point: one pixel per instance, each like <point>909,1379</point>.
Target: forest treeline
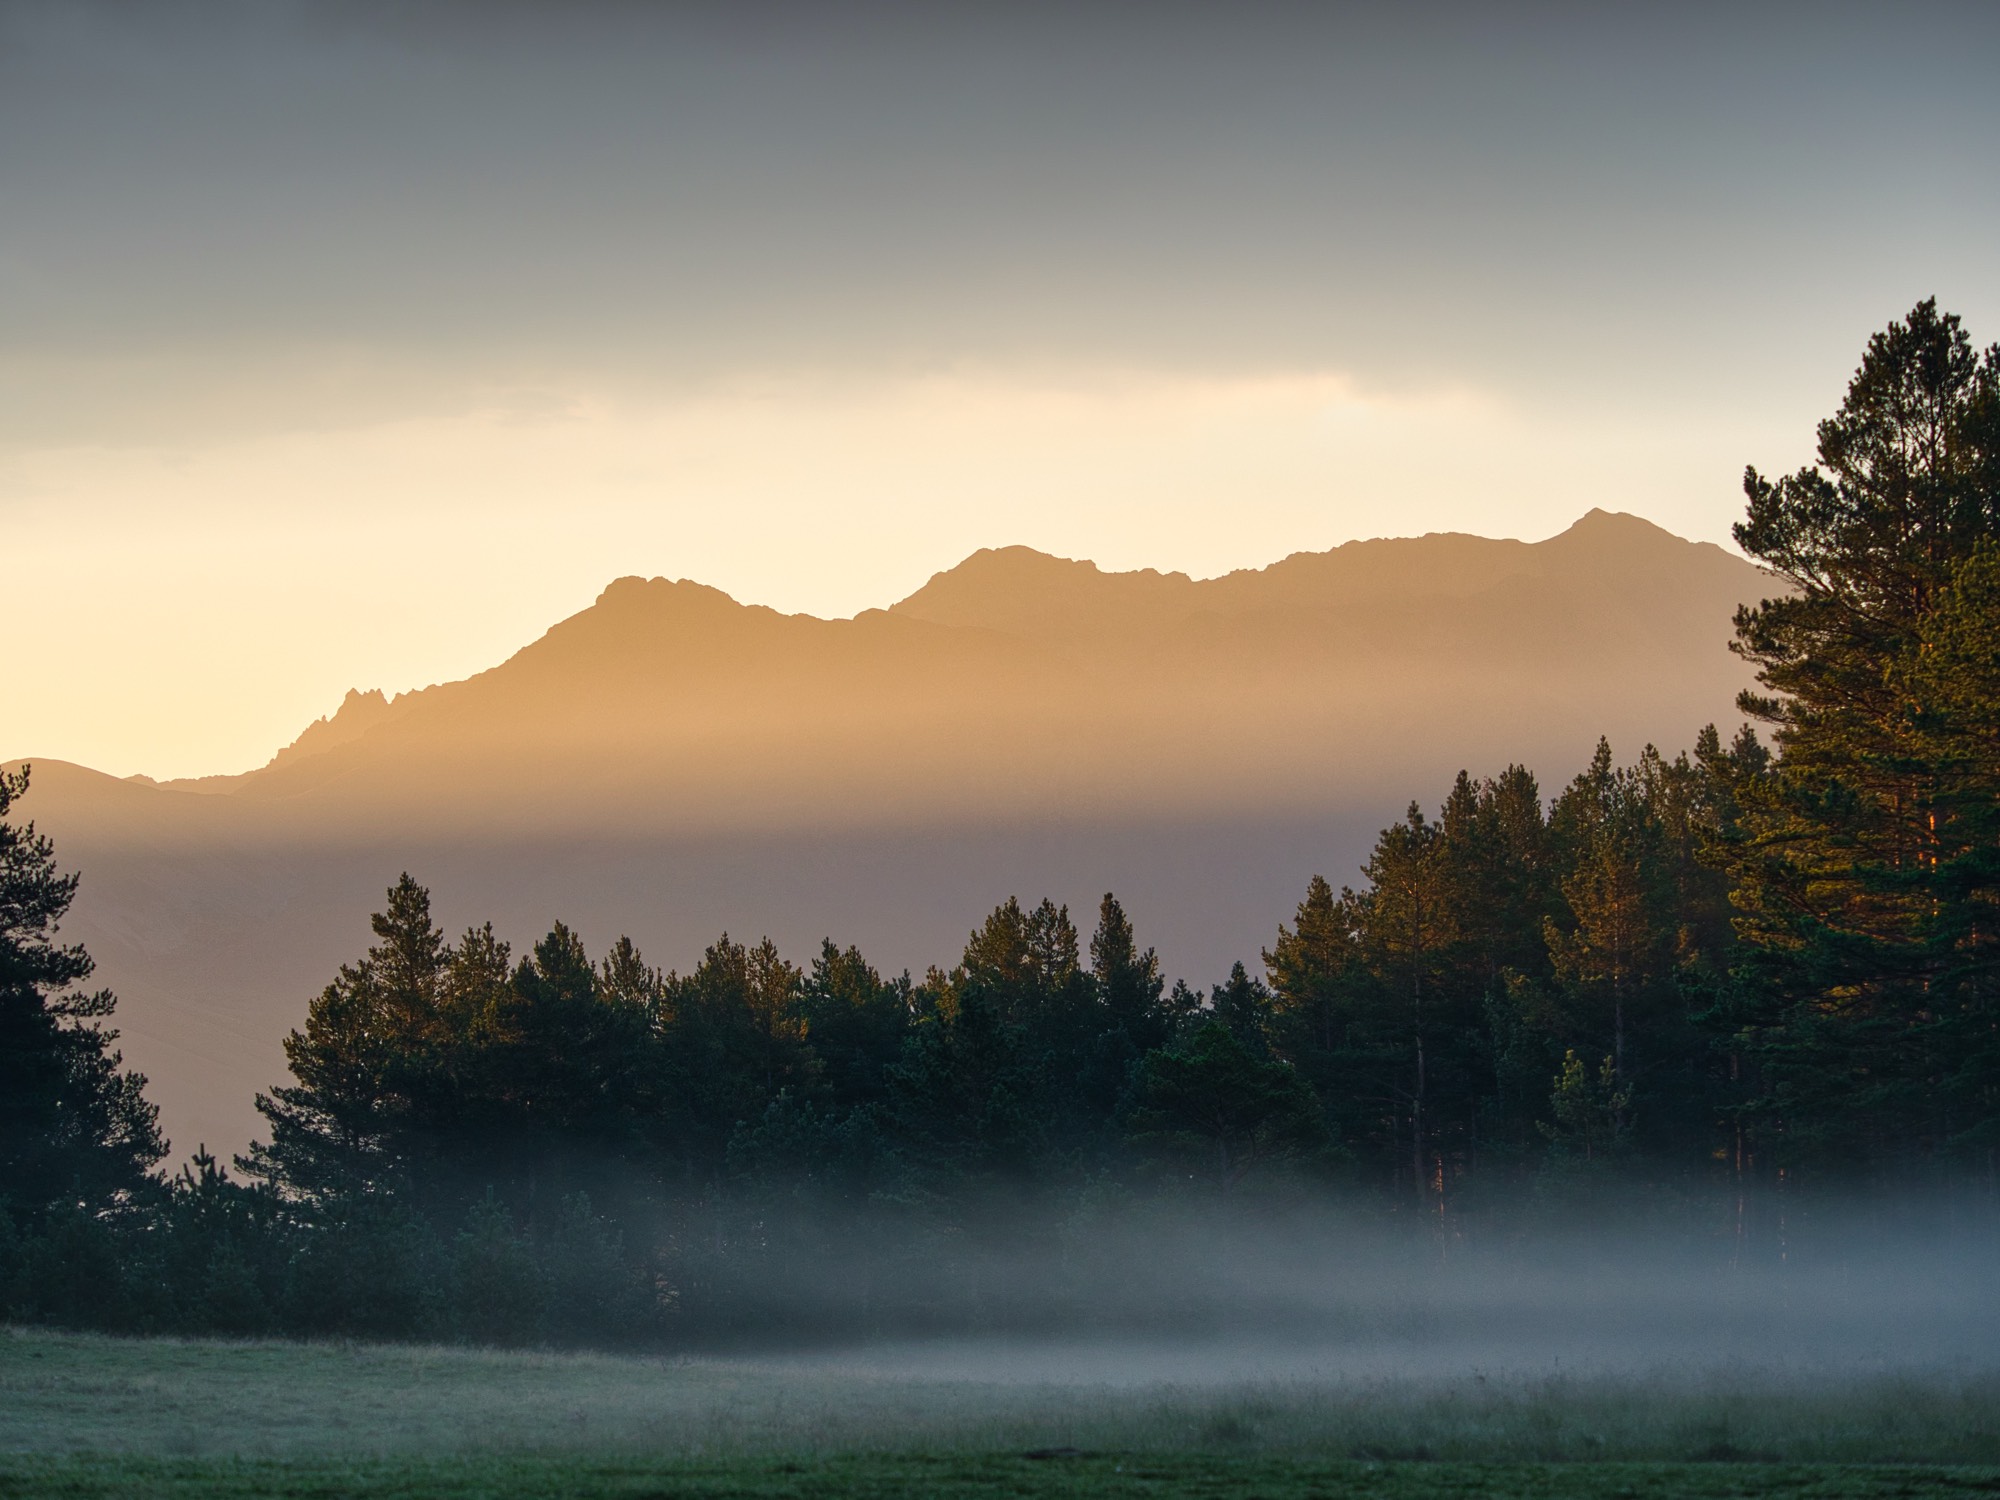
<point>1692,991</point>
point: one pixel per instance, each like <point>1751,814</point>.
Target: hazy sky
<point>352,346</point>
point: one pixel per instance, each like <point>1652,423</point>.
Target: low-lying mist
<point>1870,1337</point>
<point>1226,1294</point>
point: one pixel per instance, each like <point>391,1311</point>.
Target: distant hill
<point>669,762</point>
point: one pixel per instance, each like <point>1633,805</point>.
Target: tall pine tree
<point>75,1127</point>
<point>1858,996</point>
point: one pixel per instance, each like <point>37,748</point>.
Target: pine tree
<point>1241,1005</point>
<point>1409,933</point>
<point>75,1127</point>
<point>1953,687</point>
<point>576,1045</point>
<point>1591,1112</point>
<point>966,1098</point>
<point>1614,951</point>
<point>855,1022</point>
<point>1855,989</point>
<point>1335,1015</point>
<point>367,1072</point>
<point>1129,983</point>
<point>1313,966</point>
<point>730,1038</point>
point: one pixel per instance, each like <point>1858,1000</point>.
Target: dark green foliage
<point>366,1270</point>
<point>733,1038</point>
<point>1216,1102</point>
<point>1129,983</point>
<point>1242,1008</point>
<point>77,1137</point>
<point>592,1291</point>
<point>496,1287</point>
<point>73,1271</point>
<point>1863,858</point>
<point>366,1095</point>
<point>1433,1011</point>
<point>855,1022</point>
<point>220,1261</point>
<point>1592,1122</point>
<point>964,1095</point>
<point>76,1133</point>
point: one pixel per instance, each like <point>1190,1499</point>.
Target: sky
<point>352,346</point>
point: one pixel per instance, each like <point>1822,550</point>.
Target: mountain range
<point>671,763</point>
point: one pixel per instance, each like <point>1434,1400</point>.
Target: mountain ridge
<point>639,624</point>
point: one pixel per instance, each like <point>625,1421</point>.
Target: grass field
<point>969,1475</point>
<point>84,1416</point>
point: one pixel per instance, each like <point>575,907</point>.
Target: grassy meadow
<point>85,1415</point>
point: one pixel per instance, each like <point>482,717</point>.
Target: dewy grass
<point>960,1477</point>
<point>63,1394</point>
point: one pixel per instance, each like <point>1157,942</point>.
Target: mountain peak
<point>635,593</point>
<point>1599,521</point>
<point>358,713</point>
<point>1019,588</point>
<point>1615,539</point>
<point>1013,566</point>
